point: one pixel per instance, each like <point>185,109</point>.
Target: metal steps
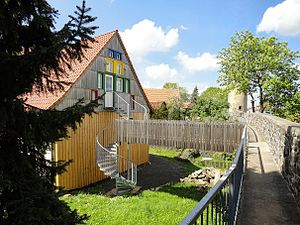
<point>107,160</point>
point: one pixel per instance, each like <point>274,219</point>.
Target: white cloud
<point>182,27</point>
<point>145,37</point>
<point>201,62</point>
<point>283,18</point>
<point>161,72</point>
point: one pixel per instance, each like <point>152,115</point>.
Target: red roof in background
<point>47,100</point>
<point>158,96</point>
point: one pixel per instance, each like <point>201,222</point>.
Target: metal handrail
<point>230,178</point>
<point>131,170</point>
<point>124,101</point>
<point>145,109</point>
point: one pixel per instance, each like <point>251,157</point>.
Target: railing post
<point>231,204</point>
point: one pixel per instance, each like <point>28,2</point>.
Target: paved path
<point>266,199</point>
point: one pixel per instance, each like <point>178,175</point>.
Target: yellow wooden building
<point>105,70</point>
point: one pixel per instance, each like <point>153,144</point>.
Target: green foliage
<point>161,113</point>
<point>32,53</point>
<point>212,104</point>
<point>292,108</point>
<point>260,65</point>
<point>175,110</point>
<point>171,85</point>
<point>184,95</point>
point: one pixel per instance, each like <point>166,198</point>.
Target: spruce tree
<point>194,95</point>
<point>32,52</point>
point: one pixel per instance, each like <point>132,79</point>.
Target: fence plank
<point>215,136</point>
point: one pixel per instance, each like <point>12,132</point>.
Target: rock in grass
<point>203,177</point>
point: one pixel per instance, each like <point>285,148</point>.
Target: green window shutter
<point>103,81</point>
<point>129,86</point>
<point>115,83</point>
<point>124,84</point>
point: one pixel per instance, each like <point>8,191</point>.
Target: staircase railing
<point>106,160</point>
<point>220,204</point>
<point>123,107</point>
<point>127,169</point>
<point>141,106</point>
<point>112,163</point>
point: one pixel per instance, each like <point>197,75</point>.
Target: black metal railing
<point>220,204</point>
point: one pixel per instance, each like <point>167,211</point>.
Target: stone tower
<point>237,101</point>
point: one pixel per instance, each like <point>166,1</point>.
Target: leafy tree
<point>260,65</point>
<point>194,95</point>
<point>292,108</point>
<point>175,110</point>
<point>161,112</point>
<point>215,93</point>
<point>212,104</point>
<point>32,58</point>
<point>184,95</point>
<point>171,85</point>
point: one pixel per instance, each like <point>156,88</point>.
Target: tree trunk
<point>252,103</point>
<point>261,100</point>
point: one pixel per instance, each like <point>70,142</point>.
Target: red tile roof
<point>157,96</point>
<point>48,100</point>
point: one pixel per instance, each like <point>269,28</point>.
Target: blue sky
<point>177,41</point>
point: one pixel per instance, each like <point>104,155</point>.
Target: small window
<point>119,84</point>
<point>119,69</point>
<point>118,56</point>
<point>127,86</point>
<point>99,80</point>
<point>110,53</point>
<point>132,103</point>
<point>94,94</point>
<point>109,66</point>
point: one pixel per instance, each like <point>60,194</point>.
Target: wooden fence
<point>214,136</point>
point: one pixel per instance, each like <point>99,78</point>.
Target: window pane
<point>99,81</point>
<point>119,84</point>
<point>109,67</point>
<point>119,69</point>
<point>108,83</point>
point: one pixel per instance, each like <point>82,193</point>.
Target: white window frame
<point>127,86</point>
<point>119,85</point>
<point>118,56</point>
<point>111,53</point>
<point>119,69</point>
<point>99,80</point>
<point>94,94</point>
<point>110,66</point>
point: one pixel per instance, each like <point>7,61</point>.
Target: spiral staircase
<point>110,162</point>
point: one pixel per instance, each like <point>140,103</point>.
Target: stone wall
<point>283,138</point>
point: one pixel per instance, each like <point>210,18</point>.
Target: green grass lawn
<point>168,204</point>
